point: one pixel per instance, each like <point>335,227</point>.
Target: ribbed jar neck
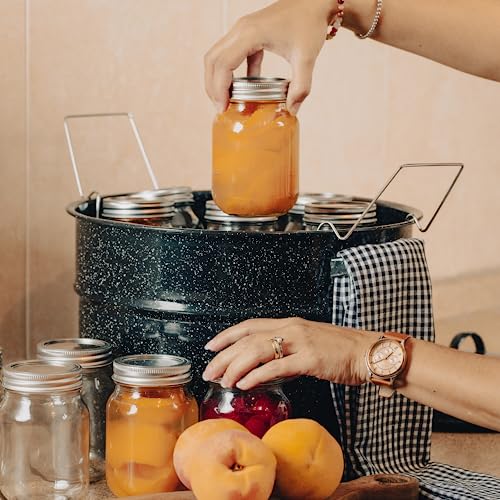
<point>146,392</point>
<point>249,107</point>
<point>11,395</point>
<point>276,385</point>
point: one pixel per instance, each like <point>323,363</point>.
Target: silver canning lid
<point>340,212</point>
<point>259,89</point>
<point>176,194</point>
<point>134,206</point>
<point>88,353</point>
<point>152,370</point>
<point>135,202</point>
<point>214,214</point>
<point>148,213</point>
<point>42,377</point>
<point>307,198</point>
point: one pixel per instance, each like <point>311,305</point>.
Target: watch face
<point>386,358</point>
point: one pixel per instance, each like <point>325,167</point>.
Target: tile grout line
<point>27,267</point>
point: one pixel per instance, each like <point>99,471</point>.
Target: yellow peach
<point>310,461</point>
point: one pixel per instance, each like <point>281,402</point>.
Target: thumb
<point>254,63</point>
<point>300,86</point>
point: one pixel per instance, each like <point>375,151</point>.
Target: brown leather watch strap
<point>396,336</point>
<point>381,381</point>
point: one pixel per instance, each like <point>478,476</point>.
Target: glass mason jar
<point>137,209</point>
<point>183,201</point>
<point>148,411</point>
<point>44,432</point>
<point>255,150</point>
<point>339,214</point>
<point>296,213</point>
<point>95,358</point>
<point>257,409</point>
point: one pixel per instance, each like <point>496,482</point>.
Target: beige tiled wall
<point>372,108</point>
<point>12,178</point>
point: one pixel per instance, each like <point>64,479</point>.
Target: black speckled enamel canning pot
<point>157,290</point>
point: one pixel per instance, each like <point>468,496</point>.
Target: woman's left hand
<point>247,358</point>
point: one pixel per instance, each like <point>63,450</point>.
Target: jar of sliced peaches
<point>255,150</point>
<point>149,409</point>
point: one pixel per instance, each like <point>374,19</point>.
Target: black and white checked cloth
<point>388,288</point>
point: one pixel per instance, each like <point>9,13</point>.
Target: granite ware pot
<point>155,290</point>
<point>150,289</point>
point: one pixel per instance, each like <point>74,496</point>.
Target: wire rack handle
<point>410,216</point>
<point>137,136</point>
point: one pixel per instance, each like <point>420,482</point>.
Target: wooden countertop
<point>477,452</point>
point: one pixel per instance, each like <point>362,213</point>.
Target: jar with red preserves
<point>255,162</point>
<point>257,409</point>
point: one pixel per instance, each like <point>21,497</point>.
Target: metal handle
<point>460,167</point>
<point>478,341</point>
<point>130,117</point>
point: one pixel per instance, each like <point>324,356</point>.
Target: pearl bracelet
<point>375,21</point>
<point>336,22</point>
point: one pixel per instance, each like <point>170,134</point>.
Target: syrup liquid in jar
<point>258,409</point>
<point>255,163</point>
<point>148,411</point>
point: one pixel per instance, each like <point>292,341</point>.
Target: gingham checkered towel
<point>387,288</point>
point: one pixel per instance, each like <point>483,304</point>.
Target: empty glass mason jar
<point>44,432</point>
<point>258,409</point>
<point>148,411</point>
<point>255,151</point>
<point>95,358</point>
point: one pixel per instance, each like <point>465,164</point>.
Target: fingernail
<point>294,109</point>
<point>242,385</point>
<point>224,384</point>
<point>206,375</point>
<point>208,346</point>
<point>219,108</point>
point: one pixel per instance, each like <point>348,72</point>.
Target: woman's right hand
<point>293,29</point>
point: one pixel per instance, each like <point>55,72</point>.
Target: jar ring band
<point>277,347</point>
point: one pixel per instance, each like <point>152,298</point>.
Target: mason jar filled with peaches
<point>255,150</point>
<point>149,409</point>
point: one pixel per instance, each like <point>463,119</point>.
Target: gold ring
<point>277,346</point>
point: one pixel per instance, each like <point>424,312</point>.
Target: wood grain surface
<point>377,487</point>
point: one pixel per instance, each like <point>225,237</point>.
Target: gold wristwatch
<point>386,359</point>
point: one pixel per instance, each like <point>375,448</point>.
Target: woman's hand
<point>321,350</point>
<point>293,29</point>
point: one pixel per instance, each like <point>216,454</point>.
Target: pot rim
<point>72,209</point>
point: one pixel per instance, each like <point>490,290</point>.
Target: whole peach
<point>192,439</point>
<point>310,461</point>
<point>233,465</point>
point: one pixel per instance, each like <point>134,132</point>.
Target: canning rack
<point>341,234</point>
